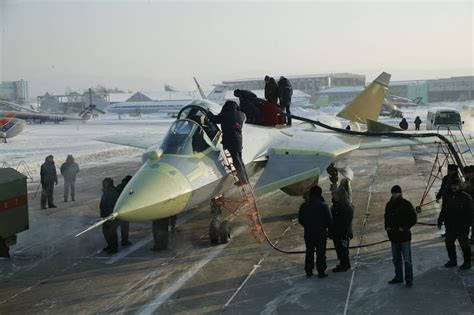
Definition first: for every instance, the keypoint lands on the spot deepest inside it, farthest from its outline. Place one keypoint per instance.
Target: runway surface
(53, 272)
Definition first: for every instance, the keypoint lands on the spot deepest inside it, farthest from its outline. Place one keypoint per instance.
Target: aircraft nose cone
(157, 190)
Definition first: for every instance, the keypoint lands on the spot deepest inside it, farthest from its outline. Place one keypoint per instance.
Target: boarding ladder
(444, 157)
(245, 204)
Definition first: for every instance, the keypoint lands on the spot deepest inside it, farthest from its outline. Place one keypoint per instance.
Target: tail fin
(217, 95)
(203, 96)
(368, 103)
(417, 100)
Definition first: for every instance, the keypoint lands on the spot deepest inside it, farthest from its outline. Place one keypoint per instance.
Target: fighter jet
(186, 169)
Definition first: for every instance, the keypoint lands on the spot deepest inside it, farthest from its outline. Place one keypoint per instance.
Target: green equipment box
(13, 203)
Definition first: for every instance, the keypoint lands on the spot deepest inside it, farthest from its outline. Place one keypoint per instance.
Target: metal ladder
(443, 158)
(246, 203)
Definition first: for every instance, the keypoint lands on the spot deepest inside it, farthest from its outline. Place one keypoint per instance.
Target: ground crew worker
(271, 90)
(468, 187)
(417, 123)
(49, 178)
(403, 124)
(69, 170)
(399, 217)
(456, 215)
(248, 103)
(124, 225)
(341, 230)
(107, 204)
(447, 181)
(231, 121)
(333, 177)
(285, 92)
(316, 219)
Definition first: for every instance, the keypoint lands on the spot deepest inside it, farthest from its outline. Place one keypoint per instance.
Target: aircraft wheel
(418, 209)
(214, 232)
(224, 231)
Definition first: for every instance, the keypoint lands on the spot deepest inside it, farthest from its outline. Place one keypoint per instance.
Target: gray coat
(69, 171)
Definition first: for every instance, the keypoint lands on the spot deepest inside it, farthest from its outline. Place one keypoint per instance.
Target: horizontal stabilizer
(377, 126)
(99, 223)
(286, 167)
(368, 103)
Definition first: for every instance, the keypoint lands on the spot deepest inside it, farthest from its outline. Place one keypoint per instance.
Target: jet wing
(141, 141)
(289, 166)
(385, 142)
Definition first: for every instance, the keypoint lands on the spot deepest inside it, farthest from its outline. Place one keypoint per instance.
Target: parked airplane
(186, 169)
(41, 117)
(11, 127)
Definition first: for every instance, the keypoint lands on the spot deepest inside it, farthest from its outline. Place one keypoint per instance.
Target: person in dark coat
(231, 121)
(468, 187)
(107, 204)
(341, 231)
(316, 219)
(447, 182)
(285, 92)
(271, 90)
(403, 124)
(417, 123)
(49, 178)
(124, 225)
(399, 217)
(69, 170)
(248, 103)
(456, 214)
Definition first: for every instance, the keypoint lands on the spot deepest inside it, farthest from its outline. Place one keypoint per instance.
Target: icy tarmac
(53, 272)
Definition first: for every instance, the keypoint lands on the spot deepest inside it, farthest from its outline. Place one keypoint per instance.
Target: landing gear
(160, 234)
(218, 229)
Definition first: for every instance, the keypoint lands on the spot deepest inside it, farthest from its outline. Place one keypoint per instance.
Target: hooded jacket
(231, 121)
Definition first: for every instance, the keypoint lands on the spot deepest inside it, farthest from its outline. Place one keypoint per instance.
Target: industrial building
(310, 84)
(15, 92)
(437, 90)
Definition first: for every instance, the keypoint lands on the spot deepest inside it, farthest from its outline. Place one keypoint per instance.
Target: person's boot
(72, 198)
(53, 206)
(451, 264)
(65, 199)
(465, 266)
(395, 280)
(126, 243)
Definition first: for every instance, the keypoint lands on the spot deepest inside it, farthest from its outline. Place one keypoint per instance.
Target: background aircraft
(11, 127)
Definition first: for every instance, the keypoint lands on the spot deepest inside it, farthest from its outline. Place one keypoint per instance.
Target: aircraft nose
(156, 191)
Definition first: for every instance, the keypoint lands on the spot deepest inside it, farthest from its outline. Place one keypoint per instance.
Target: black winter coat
(316, 219)
(400, 216)
(271, 91)
(249, 105)
(285, 91)
(342, 215)
(231, 121)
(457, 211)
(48, 173)
(445, 188)
(108, 200)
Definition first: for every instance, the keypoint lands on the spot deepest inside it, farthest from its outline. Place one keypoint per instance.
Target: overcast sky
(143, 44)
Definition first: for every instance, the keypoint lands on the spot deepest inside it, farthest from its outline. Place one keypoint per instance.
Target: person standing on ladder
(231, 121)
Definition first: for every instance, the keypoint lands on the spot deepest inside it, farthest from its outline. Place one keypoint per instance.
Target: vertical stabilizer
(217, 95)
(368, 103)
(203, 96)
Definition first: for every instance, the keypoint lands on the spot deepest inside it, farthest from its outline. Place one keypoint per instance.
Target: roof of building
(261, 94)
(304, 76)
(119, 97)
(169, 95)
(342, 89)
